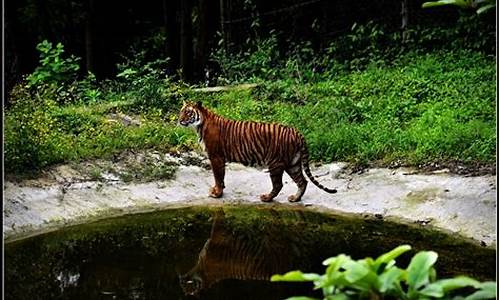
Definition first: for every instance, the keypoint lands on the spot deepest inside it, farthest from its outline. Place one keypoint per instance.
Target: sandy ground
(63, 196)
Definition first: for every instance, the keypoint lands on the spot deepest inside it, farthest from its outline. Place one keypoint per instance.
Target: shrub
(57, 77)
(260, 62)
(378, 278)
(148, 85)
(32, 138)
(53, 68)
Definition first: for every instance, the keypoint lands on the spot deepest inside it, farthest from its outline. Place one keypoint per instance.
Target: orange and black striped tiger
(230, 255)
(280, 148)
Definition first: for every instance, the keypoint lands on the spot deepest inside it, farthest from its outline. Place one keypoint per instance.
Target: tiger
(226, 255)
(275, 146)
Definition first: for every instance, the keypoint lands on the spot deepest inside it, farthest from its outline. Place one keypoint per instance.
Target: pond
(215, 252)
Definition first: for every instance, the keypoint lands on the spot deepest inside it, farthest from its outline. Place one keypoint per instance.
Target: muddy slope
(70, 194)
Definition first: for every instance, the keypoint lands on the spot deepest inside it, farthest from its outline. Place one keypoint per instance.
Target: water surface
(225, 252)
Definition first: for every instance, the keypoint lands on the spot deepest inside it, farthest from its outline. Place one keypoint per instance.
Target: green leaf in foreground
(419, 268)
(337, 297)
(456, 283)
(296, 276)
(389, 279)
(439, 288)
(355, 271)
(488, 290)
(432, 290)
(391, 255)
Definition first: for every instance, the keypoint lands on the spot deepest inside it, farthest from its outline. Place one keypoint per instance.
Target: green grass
(79, 132)
(421, 108)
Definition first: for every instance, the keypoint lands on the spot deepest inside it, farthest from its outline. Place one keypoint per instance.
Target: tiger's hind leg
(276, 174)
(295, 172)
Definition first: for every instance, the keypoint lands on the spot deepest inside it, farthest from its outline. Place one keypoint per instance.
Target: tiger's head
(190, 114)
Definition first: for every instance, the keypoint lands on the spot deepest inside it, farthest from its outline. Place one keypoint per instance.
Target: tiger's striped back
(259, 143)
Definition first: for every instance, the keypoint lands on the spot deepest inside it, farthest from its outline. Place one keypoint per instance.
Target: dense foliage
(369, 102)
(364, 45)
(381, 278)
(423, 107)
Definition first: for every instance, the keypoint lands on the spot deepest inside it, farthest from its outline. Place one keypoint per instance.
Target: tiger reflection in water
(228, 256)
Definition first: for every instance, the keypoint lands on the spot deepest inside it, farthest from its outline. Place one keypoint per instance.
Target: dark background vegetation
(187, 31)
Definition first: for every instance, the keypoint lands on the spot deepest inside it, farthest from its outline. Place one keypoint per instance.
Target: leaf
(367, 283)
(338, 260)
(391, 255)
(456, 283)
(432, 290)
(388, 279)
(354, 271)
(334, 264)
(301, 298)
(337, 297)
(484, 8)
(127, 72)
(328, 290)
(337, 278)
(460, 3)
(368, 262)
(418, 269)
(432, 275)
(296, 276)
(488, 290)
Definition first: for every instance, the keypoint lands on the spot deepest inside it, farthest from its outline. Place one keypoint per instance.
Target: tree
(89, 37)
(170, 13)
(186, 43)
(206, 29)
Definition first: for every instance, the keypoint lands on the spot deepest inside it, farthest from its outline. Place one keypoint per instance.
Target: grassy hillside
(419, 108)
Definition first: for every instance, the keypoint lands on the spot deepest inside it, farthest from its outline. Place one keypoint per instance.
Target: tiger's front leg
(218, 168)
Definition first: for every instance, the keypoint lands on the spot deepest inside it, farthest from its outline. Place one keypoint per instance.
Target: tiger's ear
(198, 104)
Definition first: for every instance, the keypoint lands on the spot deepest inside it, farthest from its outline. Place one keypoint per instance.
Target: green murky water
(214, 253)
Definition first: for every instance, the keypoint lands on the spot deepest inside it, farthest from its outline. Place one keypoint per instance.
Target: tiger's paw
(293, 198)
(215, 192)
(266, 198)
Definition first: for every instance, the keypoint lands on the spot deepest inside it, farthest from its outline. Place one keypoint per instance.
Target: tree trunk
(186, 55)
(171, 23)
(89, 36)
(227, 24)
(207, 22)
(405, 13)
(222, 21)
(11, 60)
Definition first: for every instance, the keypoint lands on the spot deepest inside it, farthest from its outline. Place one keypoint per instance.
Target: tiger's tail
(305, 163)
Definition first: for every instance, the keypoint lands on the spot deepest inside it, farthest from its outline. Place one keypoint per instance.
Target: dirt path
(67, 195)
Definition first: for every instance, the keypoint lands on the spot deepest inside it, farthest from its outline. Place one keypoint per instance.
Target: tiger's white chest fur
(200, 138)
